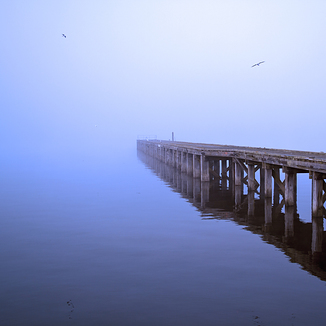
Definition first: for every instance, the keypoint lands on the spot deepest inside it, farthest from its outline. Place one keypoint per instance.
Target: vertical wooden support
(251, 203)
(237, 174)
(251, 177)
(224, 167)
(184, 161)
(224, 180)
(164, 155)
(179, 160)
(290, 187)
(262, 182)
(190, 164)
(175, 161)
(211, 168)
(217, 167)
(317, 194)
(237, 196)
(204, 168)
(196, 166)
(231, 176)
(172, 157)
(268, 181)
(175, 164)
(277, 191)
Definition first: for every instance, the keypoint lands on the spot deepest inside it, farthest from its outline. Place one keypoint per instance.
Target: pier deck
(301, 160)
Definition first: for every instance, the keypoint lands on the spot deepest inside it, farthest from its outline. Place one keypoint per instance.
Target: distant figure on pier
(63, 35)
(257, 64)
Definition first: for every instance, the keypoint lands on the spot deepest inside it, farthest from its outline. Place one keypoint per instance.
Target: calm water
(107, 242)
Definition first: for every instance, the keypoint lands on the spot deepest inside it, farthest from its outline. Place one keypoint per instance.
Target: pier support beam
(251, 203)
(224, 180)
(204, 168)
(173, 158)
(211, 170)
(165, 155)
(190, 164)
(268, 180)
(290, 187)
(231, 176)
(237, 174)
(277, 189)
(262, 182)
(251, 177)
(317, 194)
(237, 196)
(184, 162)
(179, 160)
(216, 166)
(196, 166)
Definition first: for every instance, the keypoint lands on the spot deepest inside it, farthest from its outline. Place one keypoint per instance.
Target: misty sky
(129, 68)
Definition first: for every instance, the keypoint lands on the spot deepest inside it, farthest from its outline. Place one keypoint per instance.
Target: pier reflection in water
(276, 221)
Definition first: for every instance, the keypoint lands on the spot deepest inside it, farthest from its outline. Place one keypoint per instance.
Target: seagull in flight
(63, 35)
(257, 64)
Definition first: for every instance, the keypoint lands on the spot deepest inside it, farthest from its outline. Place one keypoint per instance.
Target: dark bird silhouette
(63, 35)
(257, 64)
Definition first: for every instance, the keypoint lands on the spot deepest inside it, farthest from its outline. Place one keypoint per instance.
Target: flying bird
(257, 64)
(63, 35)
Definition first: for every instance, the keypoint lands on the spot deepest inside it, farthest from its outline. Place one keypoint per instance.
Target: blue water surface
(105, 241)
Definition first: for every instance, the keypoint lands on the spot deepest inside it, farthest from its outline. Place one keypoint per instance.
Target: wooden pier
(302, 241)
(237, 166)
